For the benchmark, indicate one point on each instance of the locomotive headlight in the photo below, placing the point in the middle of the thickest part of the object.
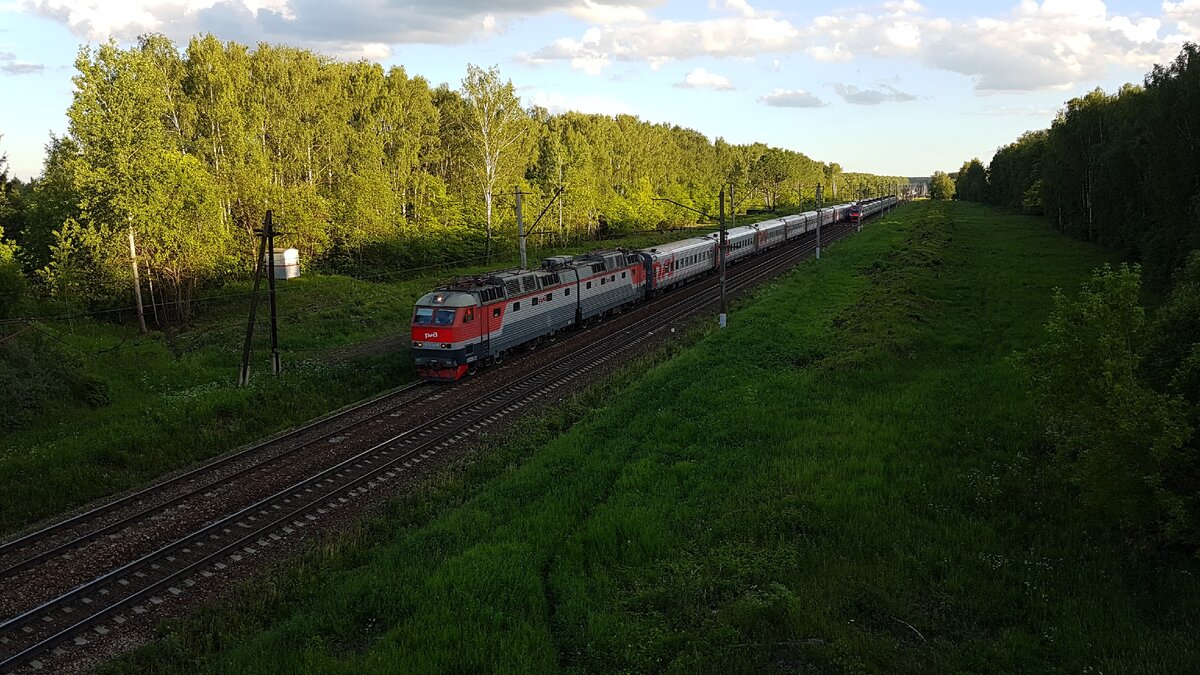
(418, 344)
(445, 345)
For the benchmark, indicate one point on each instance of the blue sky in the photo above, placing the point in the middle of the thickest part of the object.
(895, 87)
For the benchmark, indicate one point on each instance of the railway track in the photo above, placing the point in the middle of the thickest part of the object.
(101, 604)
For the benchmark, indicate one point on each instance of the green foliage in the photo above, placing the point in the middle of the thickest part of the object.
(941, 186)
(1169, 352)
(191, 148)
(35, 377)
(91, 391)
(1122, 442)
(12, 281)
(971, 185)
(1120, 169)
(1015, 173)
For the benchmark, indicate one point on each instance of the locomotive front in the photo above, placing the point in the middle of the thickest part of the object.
(445, 335)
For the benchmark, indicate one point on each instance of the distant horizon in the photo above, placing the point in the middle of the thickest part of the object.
(934, 83)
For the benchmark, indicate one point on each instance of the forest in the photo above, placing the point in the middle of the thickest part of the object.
(1122, 169)
(172, 158)
(1118, 378)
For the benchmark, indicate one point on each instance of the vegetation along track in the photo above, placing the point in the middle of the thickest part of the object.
(243, 529)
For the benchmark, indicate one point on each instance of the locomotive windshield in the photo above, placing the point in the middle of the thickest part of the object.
(428, 316)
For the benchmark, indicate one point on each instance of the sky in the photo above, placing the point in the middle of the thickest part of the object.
(895, 87)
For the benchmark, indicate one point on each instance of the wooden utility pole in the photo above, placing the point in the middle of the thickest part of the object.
(137, 282)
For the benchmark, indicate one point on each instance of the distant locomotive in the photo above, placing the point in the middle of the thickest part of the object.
(458, 327)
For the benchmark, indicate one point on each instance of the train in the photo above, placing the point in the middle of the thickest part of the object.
(476, 321)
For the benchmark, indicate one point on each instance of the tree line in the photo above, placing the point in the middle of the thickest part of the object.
(176, 155)
(1118, 386)
(1121, 169)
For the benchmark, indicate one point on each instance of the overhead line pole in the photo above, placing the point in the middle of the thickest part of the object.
(137, 282)
(521, 233)
(276, 366)
(244, 373)
(722, 319)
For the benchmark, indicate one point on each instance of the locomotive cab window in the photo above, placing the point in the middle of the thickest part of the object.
(468, 315)
(444, 317)
(496, 312)
(567, 291)
(602, 280)
(534, 301)
(589, 284)
(424, 316)
(622, 275)
(516, 306)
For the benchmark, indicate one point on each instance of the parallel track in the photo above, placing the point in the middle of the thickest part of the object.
(183, 562)
(196, 482)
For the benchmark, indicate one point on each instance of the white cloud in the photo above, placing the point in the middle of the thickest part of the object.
(884, 93)
(702, 79)
(599, 13)
(791, 98)
(560, 103)
(1036, 45)
(1185, 15)
(346, 26)
(1054, 43)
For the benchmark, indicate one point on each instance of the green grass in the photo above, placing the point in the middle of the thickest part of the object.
(174, 399)
(845, 480)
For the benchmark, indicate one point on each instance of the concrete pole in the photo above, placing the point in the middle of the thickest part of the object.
(520, 228)
(723, 318)
(137, 282)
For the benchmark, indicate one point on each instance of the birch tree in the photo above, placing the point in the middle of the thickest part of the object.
(495, 123)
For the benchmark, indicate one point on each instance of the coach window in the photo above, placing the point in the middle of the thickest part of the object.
(567, 292)
(589, 284)
(622, 275)
(549, 297)
(602, 280)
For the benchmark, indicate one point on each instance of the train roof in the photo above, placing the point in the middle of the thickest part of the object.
(677, 246)
(447, 298)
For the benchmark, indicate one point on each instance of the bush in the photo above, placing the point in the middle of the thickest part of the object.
(1123, 443)
(33, 376)
(91, 392)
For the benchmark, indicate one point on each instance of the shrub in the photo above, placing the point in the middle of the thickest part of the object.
(1123, 443)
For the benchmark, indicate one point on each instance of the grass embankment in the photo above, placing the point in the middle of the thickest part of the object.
(172, 397)
(845, 480)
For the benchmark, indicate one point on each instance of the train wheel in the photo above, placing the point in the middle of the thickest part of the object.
(473, 368)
